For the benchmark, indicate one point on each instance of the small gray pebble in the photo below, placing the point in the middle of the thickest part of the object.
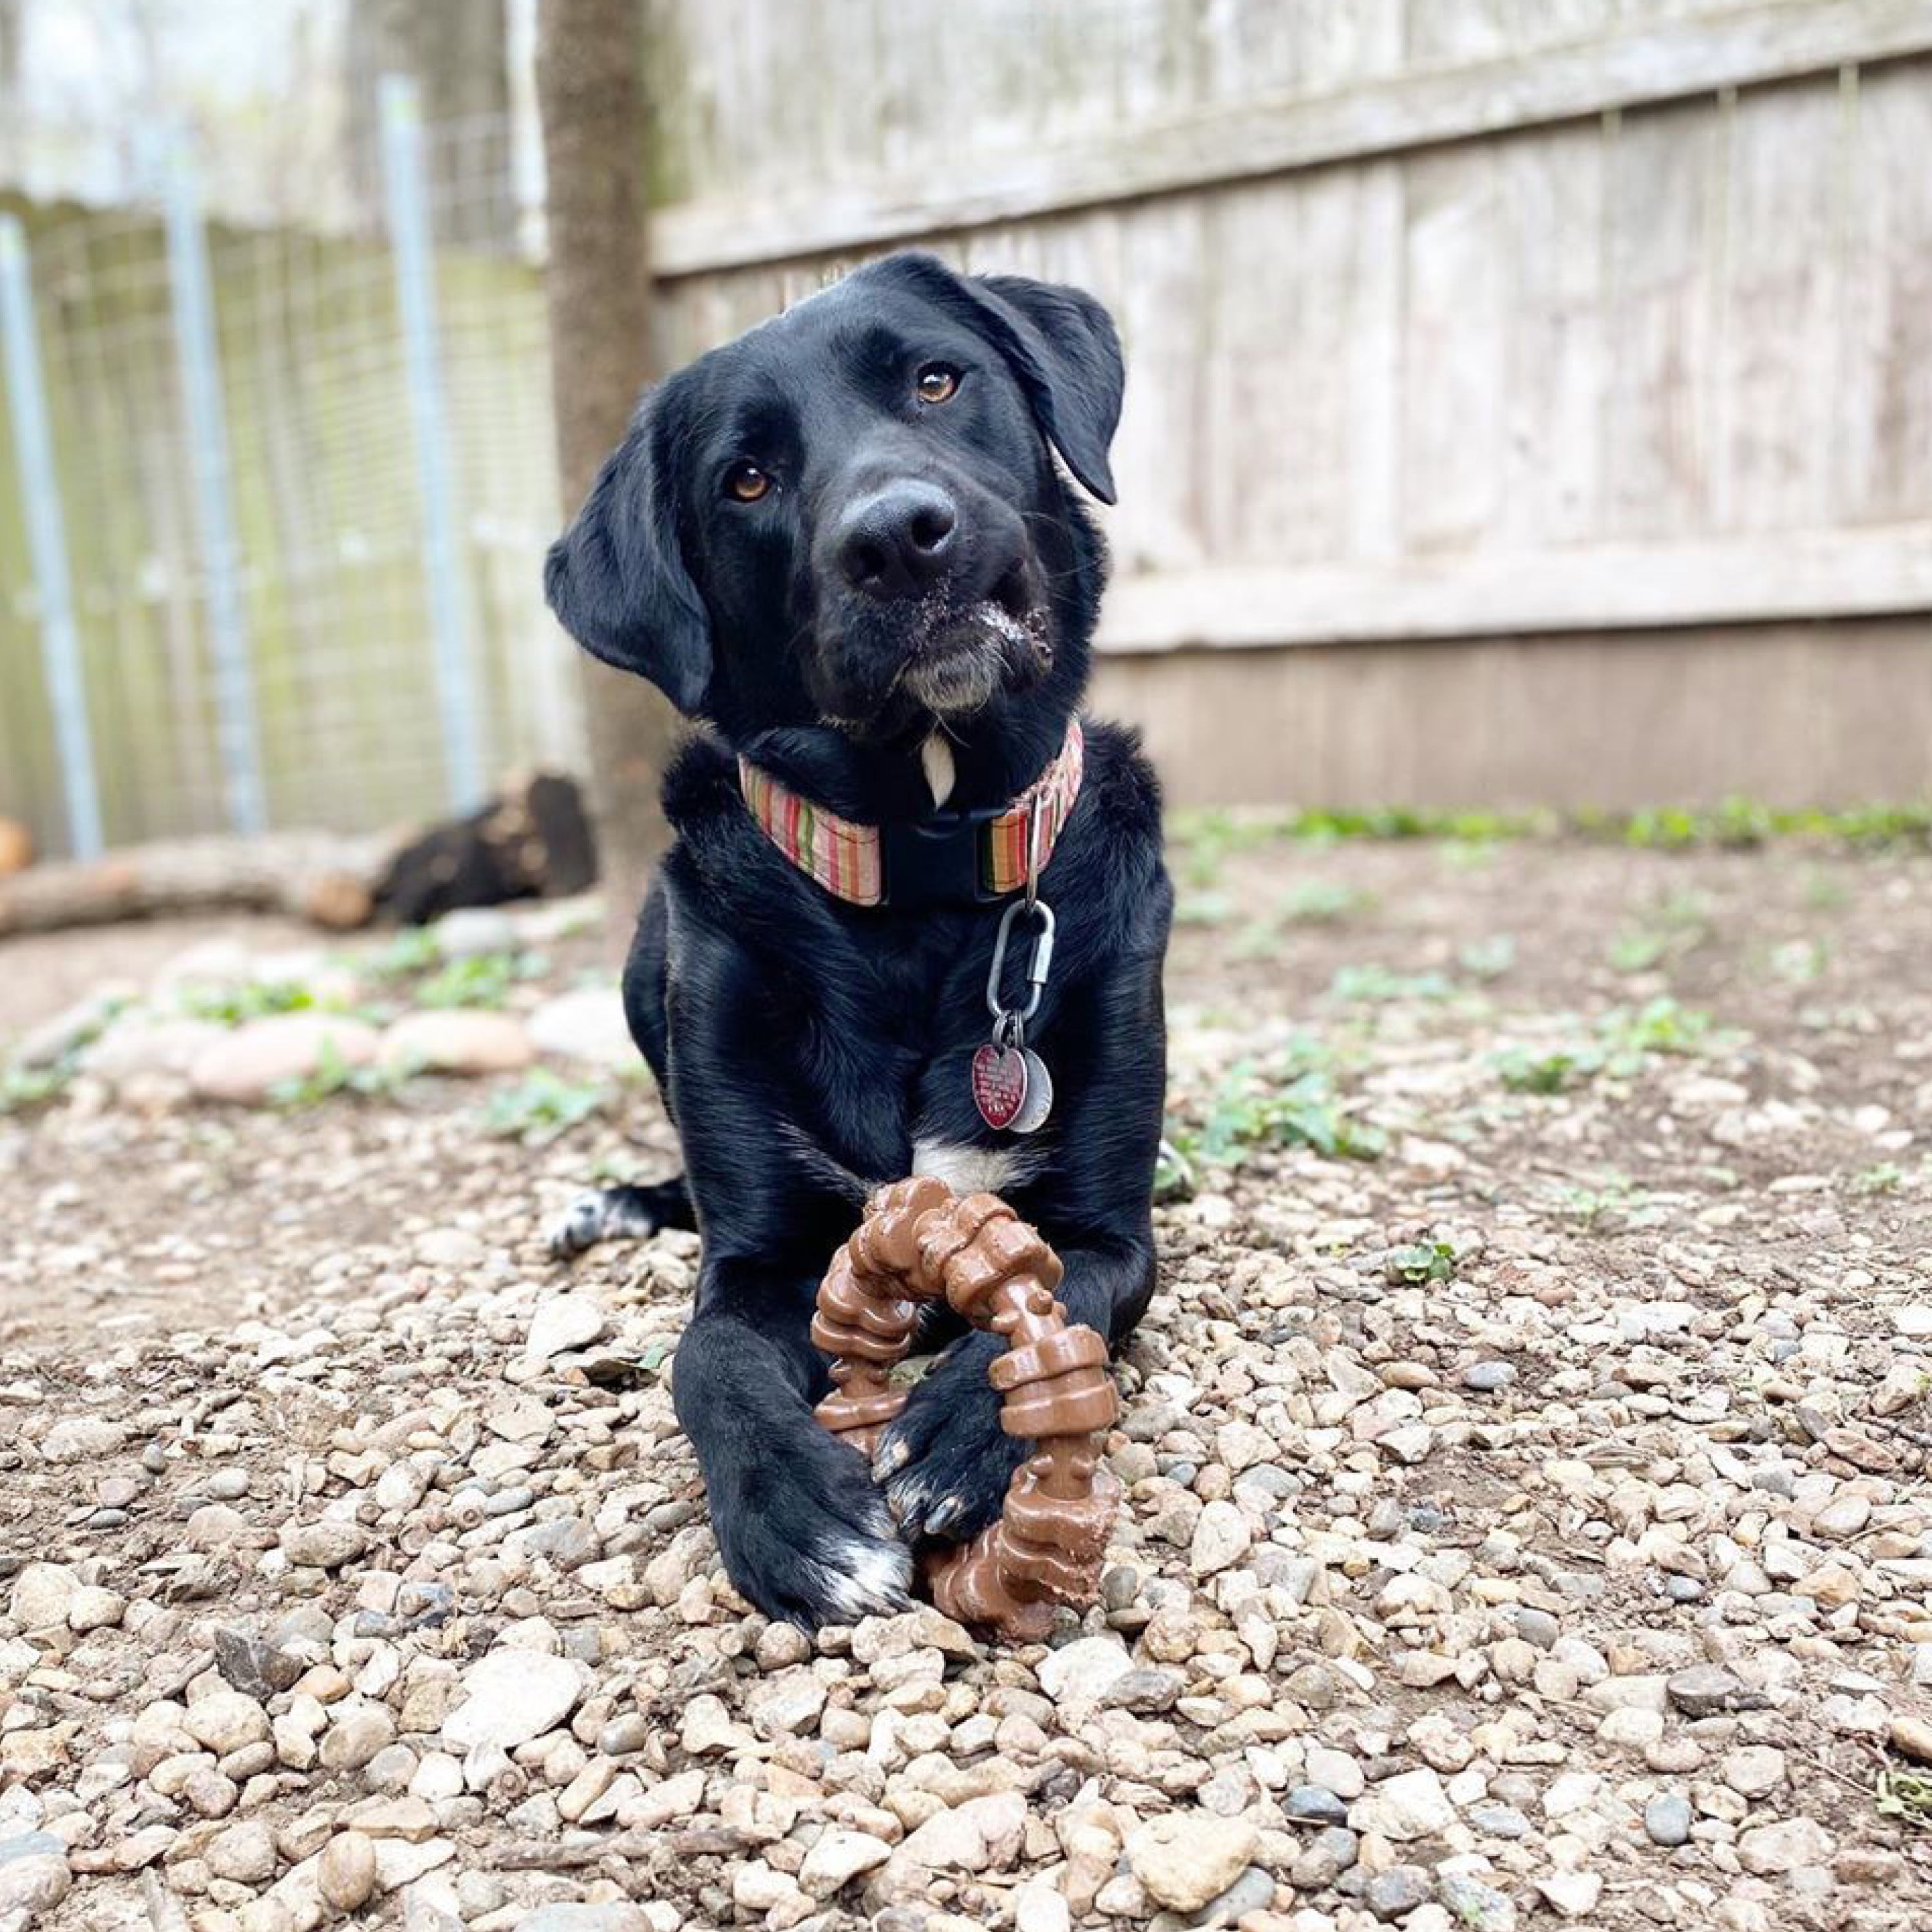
(623, 1735)
(1499, 1821)
(1337, 1842)
(1486, 1378)
(1667, 1818)
(1314, 1804)
(1397, 1892)
(1703, 1690)
(1537, 1627)
(1271, 1479)
(1145, 1690)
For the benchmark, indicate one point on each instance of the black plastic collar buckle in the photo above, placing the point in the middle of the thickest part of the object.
(936, 860)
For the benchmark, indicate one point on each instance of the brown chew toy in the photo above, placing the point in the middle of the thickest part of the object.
(920, 1242)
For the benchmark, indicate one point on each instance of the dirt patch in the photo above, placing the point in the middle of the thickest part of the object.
(1545, 1314)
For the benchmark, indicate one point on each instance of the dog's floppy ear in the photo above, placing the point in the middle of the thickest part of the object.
(616, 579)
(1063, 346)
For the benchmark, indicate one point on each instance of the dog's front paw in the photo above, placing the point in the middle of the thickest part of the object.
(806, 1536)
(946, 1462)
(603, 1214)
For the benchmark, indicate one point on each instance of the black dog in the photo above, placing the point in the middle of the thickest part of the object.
(841, 542)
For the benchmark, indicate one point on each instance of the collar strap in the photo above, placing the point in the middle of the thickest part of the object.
(946, 858)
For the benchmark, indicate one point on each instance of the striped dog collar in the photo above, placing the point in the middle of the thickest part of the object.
(948, 858)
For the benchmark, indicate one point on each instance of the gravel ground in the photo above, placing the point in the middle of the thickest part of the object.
(1525, 1453)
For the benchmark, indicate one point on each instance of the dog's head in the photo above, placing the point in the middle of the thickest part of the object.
(851, 516)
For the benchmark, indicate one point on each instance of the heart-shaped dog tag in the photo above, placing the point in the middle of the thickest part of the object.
(999, 1083)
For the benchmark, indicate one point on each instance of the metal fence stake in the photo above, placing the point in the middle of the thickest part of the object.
(46, 543)
(446, 580)
(192, 293)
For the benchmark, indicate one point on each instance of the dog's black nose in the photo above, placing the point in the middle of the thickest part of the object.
(897, 542)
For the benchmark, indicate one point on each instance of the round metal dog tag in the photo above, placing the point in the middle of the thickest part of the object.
(1038, 1101)
(1000, 1081)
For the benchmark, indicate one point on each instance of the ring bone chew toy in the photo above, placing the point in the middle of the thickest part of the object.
(920, 1242)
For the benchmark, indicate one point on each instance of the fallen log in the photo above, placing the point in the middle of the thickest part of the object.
(533, 841)
(328, 881)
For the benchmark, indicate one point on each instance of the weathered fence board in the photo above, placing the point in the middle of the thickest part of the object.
(1165, 139)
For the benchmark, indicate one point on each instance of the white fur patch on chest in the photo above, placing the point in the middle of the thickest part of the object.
(969, 1170)
(936, 756)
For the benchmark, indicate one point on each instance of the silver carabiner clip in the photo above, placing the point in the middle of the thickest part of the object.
(1036, 818)
(1038, 967)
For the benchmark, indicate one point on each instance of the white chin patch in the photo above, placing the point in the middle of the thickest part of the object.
(977, 647)
(959, 683)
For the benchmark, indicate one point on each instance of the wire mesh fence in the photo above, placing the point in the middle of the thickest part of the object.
(304, 481)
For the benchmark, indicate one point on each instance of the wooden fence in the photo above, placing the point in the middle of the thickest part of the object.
(1529, 400)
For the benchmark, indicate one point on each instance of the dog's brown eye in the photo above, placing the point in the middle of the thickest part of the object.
(747, 482)
(937, 383)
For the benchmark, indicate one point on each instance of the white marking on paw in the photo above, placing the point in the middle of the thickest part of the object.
(944, 1514)
(909, 1498)
(863, 1578)
(968, 1170)
(936, 756)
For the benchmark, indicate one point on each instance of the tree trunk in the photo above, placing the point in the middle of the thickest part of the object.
(590, 91)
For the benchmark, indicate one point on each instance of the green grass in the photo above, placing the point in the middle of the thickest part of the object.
(1626, 1040)
(1887, 1177)
(1291, 1102)
(1203, 840)
(542, 1106)
(479, 979)
(1616, 1202)
(250, 999)
(1421, 1262)
(1377, 984)
(1906, 1794)
(332, 1075)
(413, 950)
(24, 1088)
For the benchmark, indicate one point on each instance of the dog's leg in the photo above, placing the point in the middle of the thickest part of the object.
(804, 1532)
(620, 1214)
(946, 1462)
